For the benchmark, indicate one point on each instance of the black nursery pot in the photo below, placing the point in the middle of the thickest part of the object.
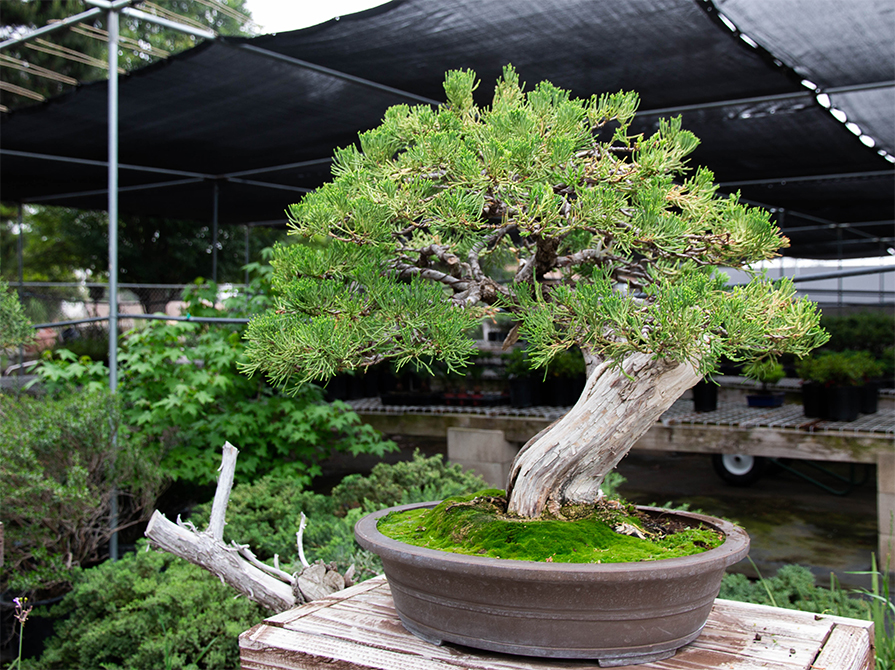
(841, 403)
(705, 397)
(812, 399)
(870, 398)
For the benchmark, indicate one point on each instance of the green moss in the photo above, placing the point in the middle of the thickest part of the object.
(477, 525)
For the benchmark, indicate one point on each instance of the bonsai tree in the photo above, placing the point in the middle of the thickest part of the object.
(550, 209)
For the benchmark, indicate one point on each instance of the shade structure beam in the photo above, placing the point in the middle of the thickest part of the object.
(839, 274)
(105, 164)
(51, 28)
(121, 189)
(336, 73)
(267, 184)
(778, 97)
(276, 168)
(167, 23)
(808, 178)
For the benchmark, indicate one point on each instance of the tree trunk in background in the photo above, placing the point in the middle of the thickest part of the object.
(566, 463)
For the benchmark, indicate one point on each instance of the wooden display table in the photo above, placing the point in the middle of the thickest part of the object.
(358, 629)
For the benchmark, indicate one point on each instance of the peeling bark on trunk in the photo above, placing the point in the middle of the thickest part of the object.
(566, 463)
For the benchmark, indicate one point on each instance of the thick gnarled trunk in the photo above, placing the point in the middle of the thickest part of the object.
(567, 462)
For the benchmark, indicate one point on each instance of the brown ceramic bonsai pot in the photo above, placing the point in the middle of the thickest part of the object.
(614, 613)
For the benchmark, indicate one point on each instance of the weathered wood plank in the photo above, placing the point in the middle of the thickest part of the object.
(778, 617)
(295, 613)
(358, 629)
(847, 648)
(764, 441)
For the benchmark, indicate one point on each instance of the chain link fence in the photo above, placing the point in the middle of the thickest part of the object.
(75, 316)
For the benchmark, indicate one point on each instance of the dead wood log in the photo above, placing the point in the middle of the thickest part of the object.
(235, 564)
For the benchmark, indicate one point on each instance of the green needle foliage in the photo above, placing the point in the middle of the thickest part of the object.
(543, 206)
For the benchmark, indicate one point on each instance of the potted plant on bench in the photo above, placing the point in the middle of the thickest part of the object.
(766, 372)
(612, 245)
(835, 384)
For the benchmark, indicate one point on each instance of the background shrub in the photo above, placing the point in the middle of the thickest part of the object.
(793, 587)
(183, 391)
(418, 480)
(59, 466)
(868, 331)
(147, 611)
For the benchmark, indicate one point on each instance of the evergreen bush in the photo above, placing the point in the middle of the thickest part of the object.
(147, 611)
(15, 328)
(793, 587)
(59, 466)
(839, 368)
(869, 331)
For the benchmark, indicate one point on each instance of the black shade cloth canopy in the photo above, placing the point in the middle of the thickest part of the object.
(257, 119)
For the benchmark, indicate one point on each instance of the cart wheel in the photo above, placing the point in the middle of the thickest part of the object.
(739, 469)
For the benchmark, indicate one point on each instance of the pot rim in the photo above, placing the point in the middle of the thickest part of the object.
(734, 548)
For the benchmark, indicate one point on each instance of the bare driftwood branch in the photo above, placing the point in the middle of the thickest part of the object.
(235, 564)
(222, 492)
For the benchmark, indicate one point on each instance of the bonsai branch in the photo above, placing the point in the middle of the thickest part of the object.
(406, 271)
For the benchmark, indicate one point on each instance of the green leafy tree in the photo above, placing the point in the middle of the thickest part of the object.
(182, 391)
(80, 53)
(610, 244)
(151, 250)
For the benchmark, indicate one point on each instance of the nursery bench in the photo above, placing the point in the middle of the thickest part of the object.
(358, 629)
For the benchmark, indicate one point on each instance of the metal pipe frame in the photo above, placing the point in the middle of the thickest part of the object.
(214, 235)
(121, 189)
(273, 55)
(839, 274)
(275, 168)
(779, 97)
(52, 28)
(112, 18)
(818, 177)
(105, 164)
(265, 184)
(166, 23)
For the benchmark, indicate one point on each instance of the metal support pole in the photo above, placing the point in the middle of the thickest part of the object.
(882, 289)
(20, 253)
(246, 281)
(839, 281)
(214, 236)
(113, 251)
(20, 248)
(781, 217)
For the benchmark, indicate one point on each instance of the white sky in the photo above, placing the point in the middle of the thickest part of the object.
(277, 16)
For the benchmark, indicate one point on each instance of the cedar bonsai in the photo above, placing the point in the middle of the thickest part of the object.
(547, 208)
